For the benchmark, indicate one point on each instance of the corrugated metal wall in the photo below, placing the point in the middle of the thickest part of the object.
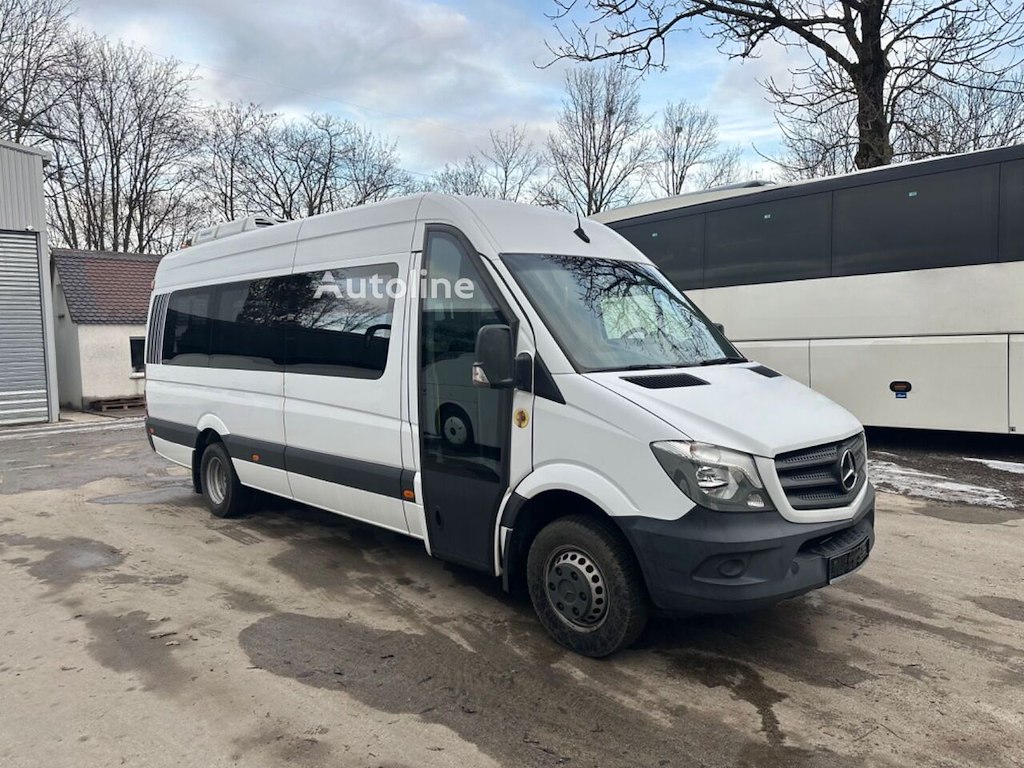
(27, 364)
(23, 391)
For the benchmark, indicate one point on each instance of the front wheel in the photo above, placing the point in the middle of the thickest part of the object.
(222, 491)
(586, 586)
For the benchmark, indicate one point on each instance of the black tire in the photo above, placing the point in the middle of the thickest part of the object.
(614, 610)
(223, 493)
(455, 427)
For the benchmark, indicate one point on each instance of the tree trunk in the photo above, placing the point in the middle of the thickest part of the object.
(874, 146)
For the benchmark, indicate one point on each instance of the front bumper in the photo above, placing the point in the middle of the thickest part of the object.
(721, 562)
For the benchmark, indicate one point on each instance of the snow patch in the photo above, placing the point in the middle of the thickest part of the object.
(1004, 466)
(912, 482)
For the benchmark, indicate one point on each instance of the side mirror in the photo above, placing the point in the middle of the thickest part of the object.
(494, 351)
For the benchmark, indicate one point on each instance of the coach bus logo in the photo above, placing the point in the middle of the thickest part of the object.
(848, 471)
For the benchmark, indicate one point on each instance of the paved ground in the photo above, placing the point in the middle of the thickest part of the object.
(137, 630)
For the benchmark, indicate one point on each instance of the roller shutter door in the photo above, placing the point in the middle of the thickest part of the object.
(22, 350)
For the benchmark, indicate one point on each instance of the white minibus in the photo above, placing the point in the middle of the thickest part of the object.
(527, 395)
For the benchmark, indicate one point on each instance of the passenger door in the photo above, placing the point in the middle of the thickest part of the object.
(343, 385)
(465, 432)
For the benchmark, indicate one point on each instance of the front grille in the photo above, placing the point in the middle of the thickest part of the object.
(812, 478)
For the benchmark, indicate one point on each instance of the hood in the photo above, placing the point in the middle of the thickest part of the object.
(738, 408)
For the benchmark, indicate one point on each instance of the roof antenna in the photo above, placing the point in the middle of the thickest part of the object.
(579, 229)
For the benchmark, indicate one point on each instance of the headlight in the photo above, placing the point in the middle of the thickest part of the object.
(715, 477)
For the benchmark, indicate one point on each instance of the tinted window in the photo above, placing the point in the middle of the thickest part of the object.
(461, 425)
(341, 321)
(769, 242)
(1011, 212)
(675, 245)
(939, 220)
(137, 346)
(187, 327)
(248, 328)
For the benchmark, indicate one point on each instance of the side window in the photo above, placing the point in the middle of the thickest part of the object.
(460, 424)
(768, 242)
(675, 245)
(187, 328)
(340, 320)
(940, 220)
(137, 345)
(247, 328)
(1011, 223)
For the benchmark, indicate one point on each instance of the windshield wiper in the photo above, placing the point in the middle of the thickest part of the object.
(644, 366)
(722, 361)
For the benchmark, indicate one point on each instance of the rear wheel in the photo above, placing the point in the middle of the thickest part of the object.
(222, 491)
(586, 586)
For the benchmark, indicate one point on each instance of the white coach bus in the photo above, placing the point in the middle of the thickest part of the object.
(527, 395)
(897, 292)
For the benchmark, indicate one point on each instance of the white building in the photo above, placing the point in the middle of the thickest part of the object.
(100, 301)
(28, 378)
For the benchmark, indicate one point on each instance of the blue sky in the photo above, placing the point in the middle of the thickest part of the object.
(436, 75)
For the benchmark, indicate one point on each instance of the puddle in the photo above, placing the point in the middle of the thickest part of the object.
(67, 560)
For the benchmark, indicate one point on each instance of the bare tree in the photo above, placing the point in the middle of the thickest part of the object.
(688, 136)
(721, 168)
(297, 167)
(33, 66)
(600, 149)
(372, 170)
(514, 163)
(687, 150)
(120, 173)
(949, 119)
(229, 143)
(871, 54)
(467, 177)
(961, 118)
(506, 170)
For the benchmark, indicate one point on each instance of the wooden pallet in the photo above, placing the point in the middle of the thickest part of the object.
(117, 404)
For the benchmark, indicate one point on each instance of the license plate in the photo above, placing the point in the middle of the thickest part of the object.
(849, 560)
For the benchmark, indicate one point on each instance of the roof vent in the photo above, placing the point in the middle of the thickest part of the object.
(228, 228)
(671, 381)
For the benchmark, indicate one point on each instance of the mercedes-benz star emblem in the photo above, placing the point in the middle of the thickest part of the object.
(848, 471)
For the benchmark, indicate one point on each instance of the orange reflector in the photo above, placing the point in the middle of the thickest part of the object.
(409, 495)
(152, 430)
(256, 457)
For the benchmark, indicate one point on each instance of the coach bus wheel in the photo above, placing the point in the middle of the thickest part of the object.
(224, 494)
(586, 586)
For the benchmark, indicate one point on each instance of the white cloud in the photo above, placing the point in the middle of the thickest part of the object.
(436, 75)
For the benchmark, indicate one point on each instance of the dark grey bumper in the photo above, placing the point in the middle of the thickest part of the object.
(720, 562)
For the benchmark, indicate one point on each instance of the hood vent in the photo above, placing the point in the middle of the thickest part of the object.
(670, 381)
(765, 371)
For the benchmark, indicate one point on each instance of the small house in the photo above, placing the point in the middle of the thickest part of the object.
(101, 301)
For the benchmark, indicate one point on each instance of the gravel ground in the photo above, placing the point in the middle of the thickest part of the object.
(138, 630)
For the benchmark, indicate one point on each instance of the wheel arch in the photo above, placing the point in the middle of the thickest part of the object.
(542, 498)
(209, 430)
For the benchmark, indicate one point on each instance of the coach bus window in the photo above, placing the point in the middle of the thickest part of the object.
(769, 242)
(187, 328)
(246, 327)
(676, 246)
(342, 321)
(1011, 220)
(940, 220)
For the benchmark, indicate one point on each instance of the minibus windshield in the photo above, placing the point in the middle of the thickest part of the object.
(609, 315)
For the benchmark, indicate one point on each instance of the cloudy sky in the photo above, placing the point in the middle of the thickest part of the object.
(434, 74)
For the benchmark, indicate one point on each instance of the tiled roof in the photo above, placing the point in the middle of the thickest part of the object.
(107, 288)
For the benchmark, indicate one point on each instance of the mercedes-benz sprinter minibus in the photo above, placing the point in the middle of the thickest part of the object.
(526, 394)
